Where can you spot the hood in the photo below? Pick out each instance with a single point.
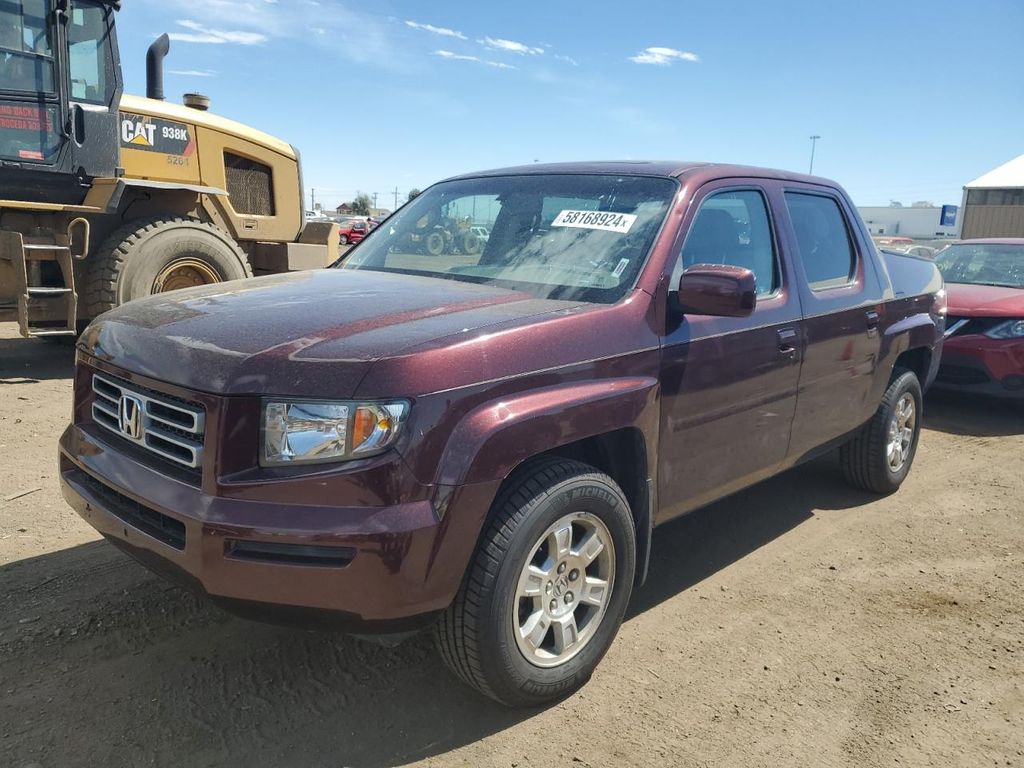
(309, 334)
(967, 300)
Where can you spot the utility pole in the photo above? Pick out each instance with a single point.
(312, 191)
(396, 200)
(814, 140)
(374, 199)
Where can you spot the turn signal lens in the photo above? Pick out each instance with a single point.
(375, 426)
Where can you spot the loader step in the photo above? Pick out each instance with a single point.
(47, 291)
(34, 332)
(45, 247)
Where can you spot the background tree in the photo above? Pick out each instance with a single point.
(412, 193)
(361, 204)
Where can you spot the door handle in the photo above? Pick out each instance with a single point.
(872, 317)
(787, 343)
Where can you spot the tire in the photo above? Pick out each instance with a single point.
(343, 240)
(479, 635)
(131, 259)
(866, 459)
(434, 243)
(470, 244)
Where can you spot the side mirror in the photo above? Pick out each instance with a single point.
(717, 289)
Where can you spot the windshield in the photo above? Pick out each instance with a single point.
(557, 236)
(983, 264)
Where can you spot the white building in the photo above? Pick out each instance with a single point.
(993, 204)
(918, 222)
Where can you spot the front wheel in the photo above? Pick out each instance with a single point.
(545, 594)
(878, 457)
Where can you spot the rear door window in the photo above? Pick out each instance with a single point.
(823, 239)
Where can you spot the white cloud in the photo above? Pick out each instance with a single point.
(567, 59)
(452, 56)
(443, 31)
(455, 56)
(206, 35)
(663, 57)
(500, 44)
(192, 72)
(362, 38)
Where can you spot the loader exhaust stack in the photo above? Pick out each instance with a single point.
(155, 67)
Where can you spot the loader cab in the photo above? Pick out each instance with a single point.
(60, 85)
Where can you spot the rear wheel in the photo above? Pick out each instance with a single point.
(160, 255)
(470, 244)
(879, 457)
(546, 592)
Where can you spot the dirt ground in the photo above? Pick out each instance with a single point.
(799, 623)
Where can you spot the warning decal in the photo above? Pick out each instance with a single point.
(152, 134)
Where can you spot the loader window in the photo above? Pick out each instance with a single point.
(89, 53)
(28, 131)
(26, 56)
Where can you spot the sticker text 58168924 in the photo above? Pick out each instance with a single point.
(606, 220)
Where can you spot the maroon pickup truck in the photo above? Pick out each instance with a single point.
(484, 442)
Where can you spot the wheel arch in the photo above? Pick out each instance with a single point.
(918, 360)
(622, 455)
(610, 424)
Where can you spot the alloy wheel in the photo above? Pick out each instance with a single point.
(564, 589)
(901, 432)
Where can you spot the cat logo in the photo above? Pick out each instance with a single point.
(138, 133)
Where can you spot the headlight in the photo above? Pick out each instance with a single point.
(319, 432)
(1011, 329)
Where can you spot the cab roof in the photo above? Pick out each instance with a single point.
(702, 171)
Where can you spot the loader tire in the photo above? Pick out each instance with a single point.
(150, 256)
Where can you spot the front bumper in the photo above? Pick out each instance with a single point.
(978, 364)
(375, 568)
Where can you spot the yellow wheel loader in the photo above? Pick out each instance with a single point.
(107, 197)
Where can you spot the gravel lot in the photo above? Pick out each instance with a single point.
(798, 623)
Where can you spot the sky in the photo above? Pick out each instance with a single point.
(911, 99)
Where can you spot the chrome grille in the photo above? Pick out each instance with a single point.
(171, 429)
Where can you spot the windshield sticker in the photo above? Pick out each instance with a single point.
(609, 222)
(620, 268)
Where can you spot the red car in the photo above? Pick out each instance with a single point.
(984, 348)
(352, 231)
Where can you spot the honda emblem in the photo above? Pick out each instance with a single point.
(130, 417)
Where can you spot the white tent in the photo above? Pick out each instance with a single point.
(1007, 176)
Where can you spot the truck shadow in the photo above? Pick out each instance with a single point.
(90, 641)
(972, 415)
(27, 361)
(686, 551)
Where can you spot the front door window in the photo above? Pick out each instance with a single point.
(89, 53)
(29, 116)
